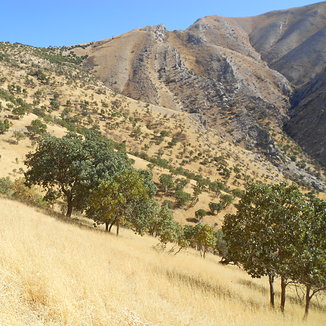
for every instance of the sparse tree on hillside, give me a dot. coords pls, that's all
(310, 256)
(226, 200)
(201, 236)
(4, 126)
(37, 128)
(182, 197)
(121, 200)
(166, 181)
(263, 236)
(73, 165)
(215, 207)
(200, 213)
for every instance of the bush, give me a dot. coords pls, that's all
(200, 214)
(226, 200)
(215, 207)
(20, 111)
(237, 193)
(4, 126)
(18, 135)
(182, 197)
(216, 187)
(20, 191)
(37, 127)
(6, 186)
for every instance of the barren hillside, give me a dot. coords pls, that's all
(245, 69)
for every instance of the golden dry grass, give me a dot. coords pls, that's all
(52, 273)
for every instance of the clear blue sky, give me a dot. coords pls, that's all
(67, 22)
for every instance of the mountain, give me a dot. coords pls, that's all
(307, 124)
(201, 104)
(238, 76)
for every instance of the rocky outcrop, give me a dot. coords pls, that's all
(235, 74)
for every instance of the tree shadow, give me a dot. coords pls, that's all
(192, 220)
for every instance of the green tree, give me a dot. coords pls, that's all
(144, 217)
(148, 180)
(180, 183)
(226, 200)
(166, 181)
(73, 166)
(120, 200)
(36, 128)
(20, 111)
(200, 213)
(182, 197)
(18, 135)
(215, 207)
(262, 236)
(169, 230)
(197, 191)
(216, 187)
(310, 256)
(4, 126)
(201, 236)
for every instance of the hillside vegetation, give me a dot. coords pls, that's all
(54, 273)
(175, 160)
(243, 77)
(45, 90)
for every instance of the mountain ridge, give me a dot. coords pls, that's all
(249, 67)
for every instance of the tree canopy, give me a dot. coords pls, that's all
(275, 232)
(73, 165)
(124, 198)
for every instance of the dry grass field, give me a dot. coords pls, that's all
(54, 273)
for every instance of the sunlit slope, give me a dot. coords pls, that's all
(52, 273)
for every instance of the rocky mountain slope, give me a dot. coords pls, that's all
(49, 89)
(307, 124)
(237, 75)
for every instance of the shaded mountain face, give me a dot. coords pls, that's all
(237, 75)
(307, 124)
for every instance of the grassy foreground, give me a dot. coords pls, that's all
(53, 273)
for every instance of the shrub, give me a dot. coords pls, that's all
(6, 186)
(20, 111)
(215, 207)
(4, 126)
(226, 200)
(37, 127)
(200, 213)
(182, 197)
(237, 193)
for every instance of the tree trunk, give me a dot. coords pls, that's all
(118, 225)
(69, 205)
(106, 226)
(283, 293)
(271, 289)
(308, 298)
(111, 226)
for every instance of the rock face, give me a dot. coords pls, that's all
(238, 75)
(308, 122)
